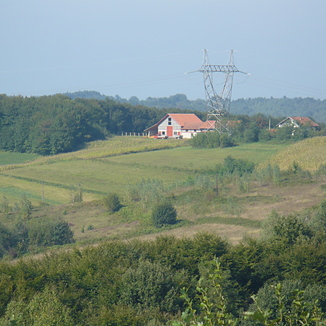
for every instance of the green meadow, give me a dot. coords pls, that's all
(114, 166)
(192, 159)
(16, 158)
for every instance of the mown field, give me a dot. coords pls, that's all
(114, 165)
(16, 158)
(129, 164)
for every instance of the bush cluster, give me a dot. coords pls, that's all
(37, 232)
(112, 202)
(164, 214)
(212, 140)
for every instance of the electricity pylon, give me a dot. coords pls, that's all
(218, 106)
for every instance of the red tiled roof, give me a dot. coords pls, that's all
(186, 121)
(305, 121)
(209, 124)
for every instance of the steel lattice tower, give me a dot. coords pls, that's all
(218, 106)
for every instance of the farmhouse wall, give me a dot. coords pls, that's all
(169, 125)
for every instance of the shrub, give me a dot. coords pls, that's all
(211, 140)
(164, 213)
(287, 303)
(7, 239)
(287, 229)
(226, 141)
(112, 202)
(149, 285)
(232, 165)
(44, 233)
(25, 208)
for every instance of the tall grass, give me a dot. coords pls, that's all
(309, 154)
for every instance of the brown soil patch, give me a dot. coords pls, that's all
(287, 200)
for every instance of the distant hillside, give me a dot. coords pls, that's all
(275, 107)
(278, 107)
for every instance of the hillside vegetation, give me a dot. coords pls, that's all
(206, 233)
(309, 154)
(143, 171)
(49, 125)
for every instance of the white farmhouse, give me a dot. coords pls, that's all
(297, 122)
(179, 125)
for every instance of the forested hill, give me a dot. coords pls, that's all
(275, 107)
(54, 124)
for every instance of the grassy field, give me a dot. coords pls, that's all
(309, 154)
(191, 159)
(98, 169)
(122, 163)
(16, 158)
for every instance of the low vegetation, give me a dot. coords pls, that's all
(308, 154)
(212, 140)
(170, 281)
(164, 214)
(112, 203)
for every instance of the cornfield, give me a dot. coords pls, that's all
(309, 154)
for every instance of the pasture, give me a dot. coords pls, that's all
(100, 168)
(16, 158)
(125, 164)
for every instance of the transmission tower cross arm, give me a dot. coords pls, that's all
(219, 68)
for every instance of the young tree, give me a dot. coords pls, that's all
(112, 202)
(163, 214)
(25, 208)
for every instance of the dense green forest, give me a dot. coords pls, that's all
(275, 107)
(152, 282)
(54, 124)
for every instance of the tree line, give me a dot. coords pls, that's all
(50, 125)
(276, 107)
(54, 124)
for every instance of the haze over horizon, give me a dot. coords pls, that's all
(145, 48)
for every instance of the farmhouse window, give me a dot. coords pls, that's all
(163, 133)
(169, 121)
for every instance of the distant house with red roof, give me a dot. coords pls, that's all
(179, 125)
(297, 122)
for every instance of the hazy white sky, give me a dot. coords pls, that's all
(144, 48)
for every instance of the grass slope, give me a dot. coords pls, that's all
(309, 154)
(16, 158)
(99, 168)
